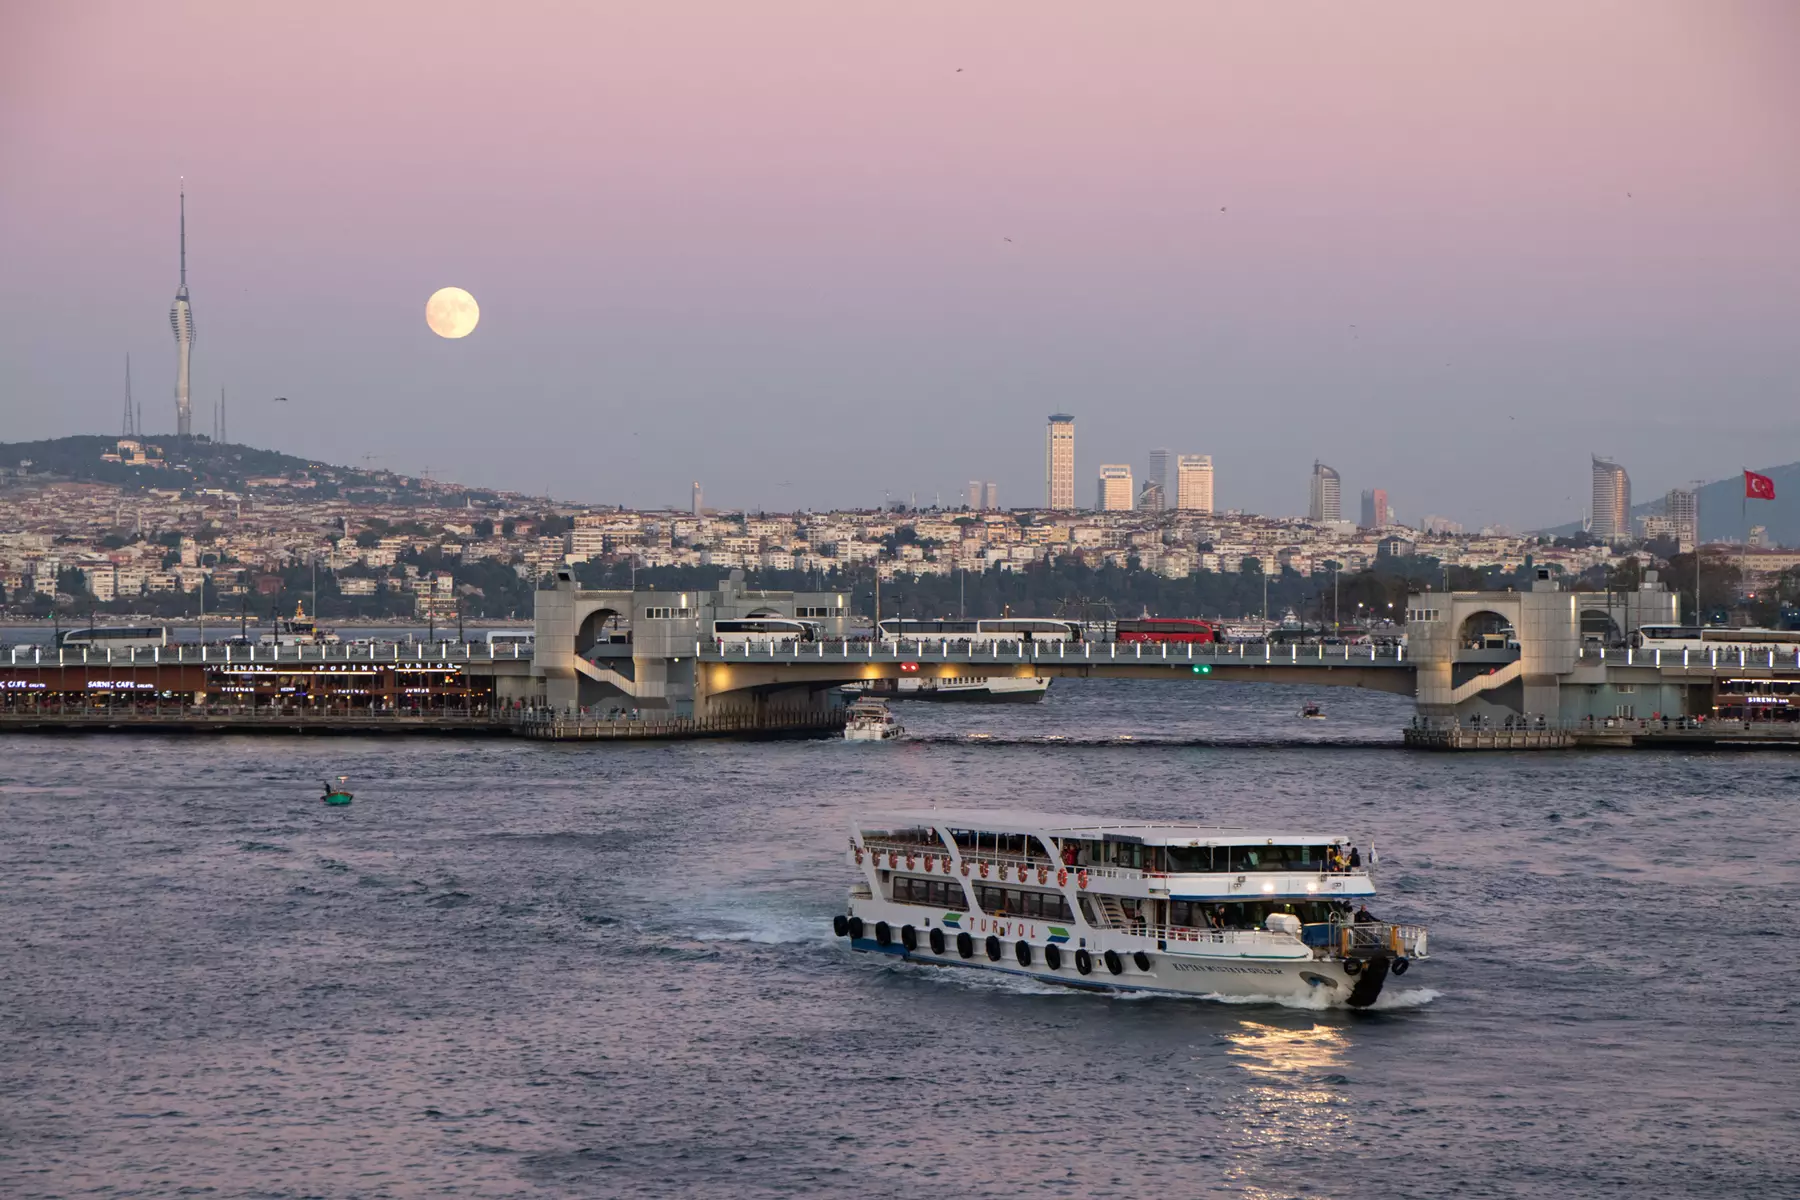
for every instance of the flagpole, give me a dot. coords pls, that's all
(1744, 546)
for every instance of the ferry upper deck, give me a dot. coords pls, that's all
(1084, 828)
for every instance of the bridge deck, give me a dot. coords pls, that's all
(1059, 653)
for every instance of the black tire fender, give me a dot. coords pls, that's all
(1053, 957)
(1084, 962)
(1142, 960)
(856, 927)
(937, 941)
(840, 925)
(1114, 963)
(993, 948)
(909, 937)
(965, 945)
(1022, 952)
(1353, 967)
(1400, 966)
(883, 935)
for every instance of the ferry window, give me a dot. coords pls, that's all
(1245, 858)
(1187, 858)
(939, 893)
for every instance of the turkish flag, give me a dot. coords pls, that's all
(1758, 487)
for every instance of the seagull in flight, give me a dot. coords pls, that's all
(281, 400)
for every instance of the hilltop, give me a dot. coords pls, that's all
(199, 463)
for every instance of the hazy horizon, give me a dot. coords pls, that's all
(1449, 251)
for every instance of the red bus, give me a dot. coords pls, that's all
(1168, 629)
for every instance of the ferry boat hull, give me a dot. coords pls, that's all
(1306, 981)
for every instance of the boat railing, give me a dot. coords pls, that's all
(902, 846)
(1349, 938)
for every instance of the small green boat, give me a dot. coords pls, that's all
(338, 793)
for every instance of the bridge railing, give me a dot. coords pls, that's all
(178, 654)
(967, 651)
(1772, 658)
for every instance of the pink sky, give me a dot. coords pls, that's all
(763, 244)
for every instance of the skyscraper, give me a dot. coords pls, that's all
(975, 494)
(1327, 500)
(1194, 483)
(698, 500)
(1612, 502)
(1159, 478)
(1115, 488)
(1375, 509)
(991, 499)
(181, 320)
(1059, 463)
(1683, 510)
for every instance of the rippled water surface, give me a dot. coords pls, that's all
(513, 969)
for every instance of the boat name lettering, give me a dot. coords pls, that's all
(1181, 966)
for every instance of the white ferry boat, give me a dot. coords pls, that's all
(1113, 905)
(870, 721)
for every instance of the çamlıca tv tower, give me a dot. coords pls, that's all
(181, 320)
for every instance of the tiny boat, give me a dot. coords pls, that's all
(337, 793)
(1110, 904)
(1312, 711)
(870, 721)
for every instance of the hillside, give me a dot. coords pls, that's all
(200, 463)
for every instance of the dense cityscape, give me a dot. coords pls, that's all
(172, 528)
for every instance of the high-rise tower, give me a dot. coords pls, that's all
(1159, 475)
(1059, 462)
(1612, 502)
(1114, 494)
(1327, 501)
(1683, 510)
(181, 320)
(1194, 483)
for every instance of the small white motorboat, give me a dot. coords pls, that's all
(870, 721)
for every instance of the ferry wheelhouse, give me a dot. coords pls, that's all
(1115, 905)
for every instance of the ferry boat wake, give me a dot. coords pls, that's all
(1110, 905)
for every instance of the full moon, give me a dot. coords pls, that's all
(452, 313)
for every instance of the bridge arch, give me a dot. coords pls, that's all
(595, 627)
(1480, 624)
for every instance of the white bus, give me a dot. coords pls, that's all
(520, 638)
(763, 631)
(116, 637)
(983, 633)
(1702, 639)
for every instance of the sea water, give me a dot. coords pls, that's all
(519, 969)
